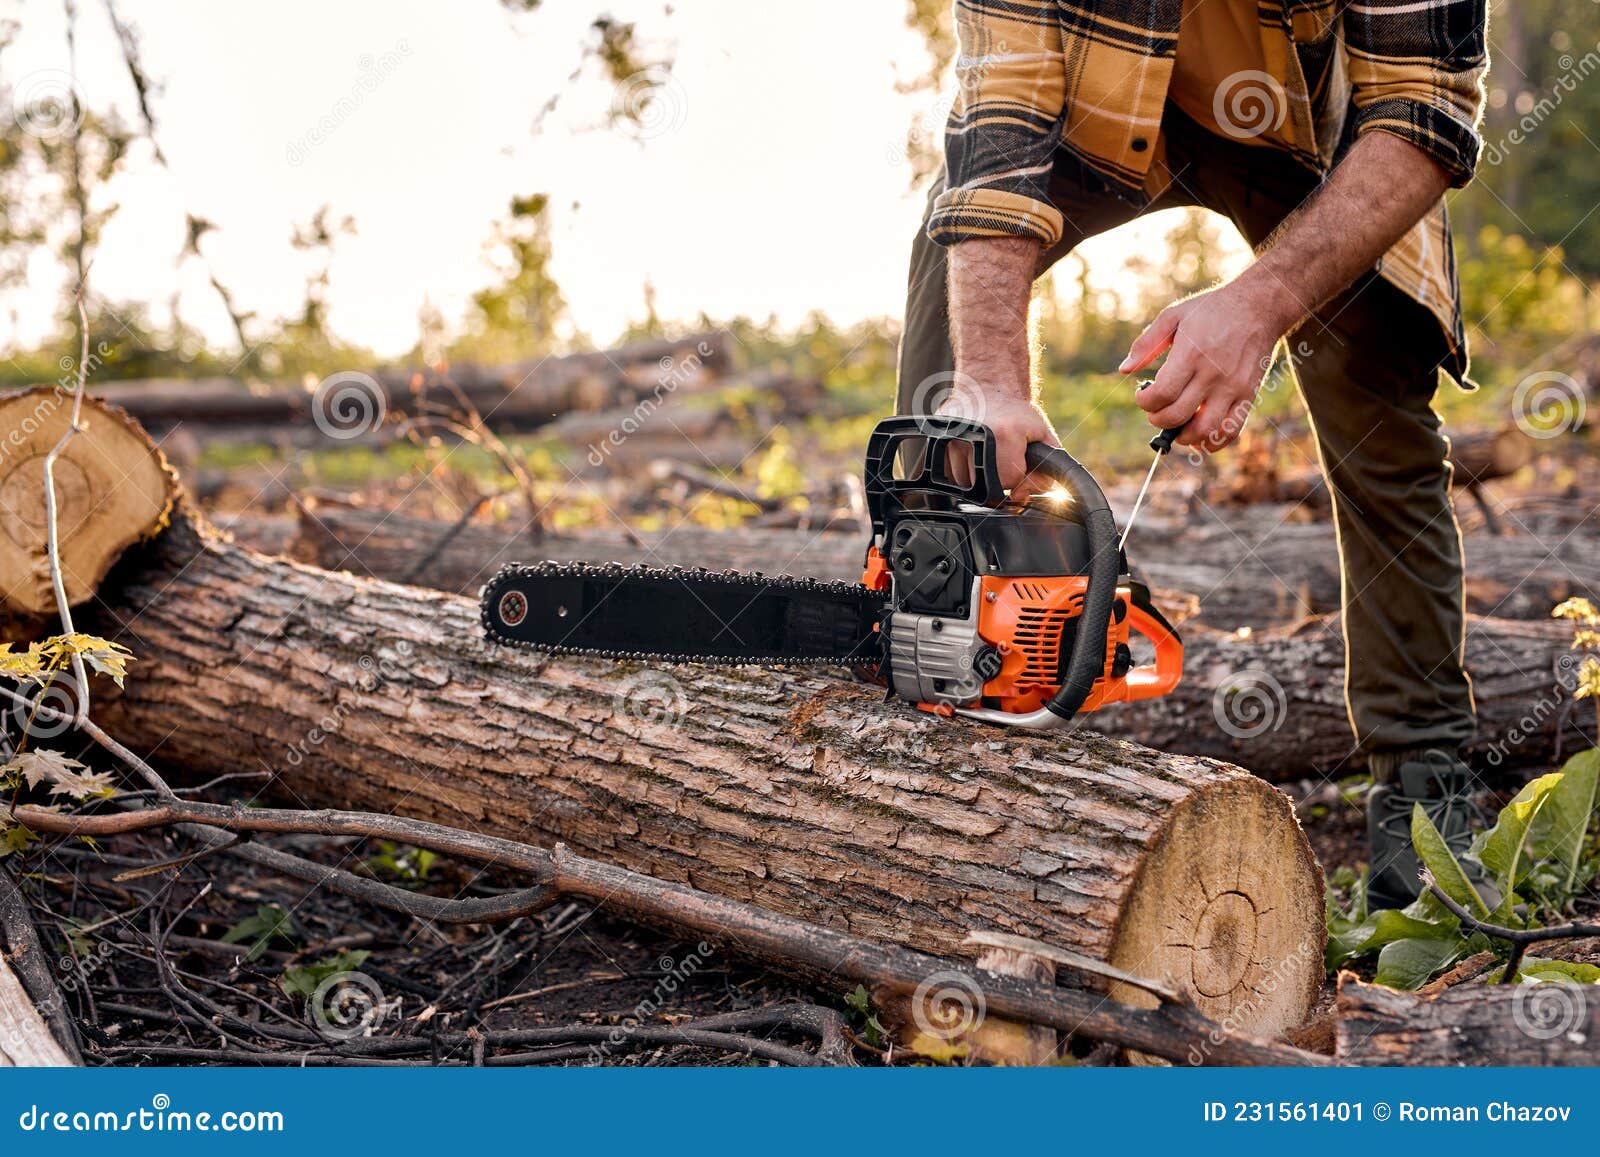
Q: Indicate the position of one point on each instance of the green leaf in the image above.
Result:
(1410, 962)
(269, 923)
(1559, 970)
(1500, 849)
(1437, 857)
(303, 981)
(1562, 826)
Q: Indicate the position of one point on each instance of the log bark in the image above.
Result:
(1469, 1024)
(1271, 701)
(113, 488)
(802, 794)
(520, 396)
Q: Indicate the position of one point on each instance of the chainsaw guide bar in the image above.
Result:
(680, 615)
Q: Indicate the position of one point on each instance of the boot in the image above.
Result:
(1444, 786)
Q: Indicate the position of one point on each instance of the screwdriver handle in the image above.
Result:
(1162, 442)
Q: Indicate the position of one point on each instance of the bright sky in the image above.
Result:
(774, 182)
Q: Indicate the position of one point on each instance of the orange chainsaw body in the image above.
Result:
(1027, 620)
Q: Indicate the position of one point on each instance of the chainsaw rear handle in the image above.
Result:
(1088, 660)
(930, 436)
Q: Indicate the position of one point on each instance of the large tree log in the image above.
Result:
(519, 396)
(1470, 1024)
(801, 794)
(1271, 701)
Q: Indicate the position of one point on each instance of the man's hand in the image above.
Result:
(1015, 422)
(1219, 346)
(1221, 341)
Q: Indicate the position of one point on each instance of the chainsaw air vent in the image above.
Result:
(1038, 639)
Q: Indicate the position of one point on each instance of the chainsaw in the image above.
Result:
(968, 606)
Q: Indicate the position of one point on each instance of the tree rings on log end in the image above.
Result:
(113, 489)
(1227, 907)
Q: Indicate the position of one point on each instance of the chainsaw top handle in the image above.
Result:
(927, 439)
(1088, 659)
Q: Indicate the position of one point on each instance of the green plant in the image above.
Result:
(860, 1003)
(303, 980)
(402, 863)
(269, 923)
(1535, 855)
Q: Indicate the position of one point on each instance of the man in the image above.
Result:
(1328, 131)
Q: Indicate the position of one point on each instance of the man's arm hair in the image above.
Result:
(990, 282)
(1382, 187)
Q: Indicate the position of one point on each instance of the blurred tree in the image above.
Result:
(1538, 175)
(524, 314)
(935, 21)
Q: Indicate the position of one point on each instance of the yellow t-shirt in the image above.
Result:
(1220, 78)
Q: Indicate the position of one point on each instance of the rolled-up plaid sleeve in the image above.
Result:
(1004, 125)
(1416, 71)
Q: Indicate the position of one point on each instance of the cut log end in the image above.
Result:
(1223, 909)
(113, 489)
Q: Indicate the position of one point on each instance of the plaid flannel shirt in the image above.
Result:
(1091, 76)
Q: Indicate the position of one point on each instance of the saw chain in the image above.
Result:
(681, 615)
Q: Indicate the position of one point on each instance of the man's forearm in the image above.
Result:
(991, 279)
(1381, 189)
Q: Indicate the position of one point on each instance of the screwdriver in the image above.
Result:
(1162, 445)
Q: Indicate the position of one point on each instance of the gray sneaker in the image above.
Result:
(1444, 786)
